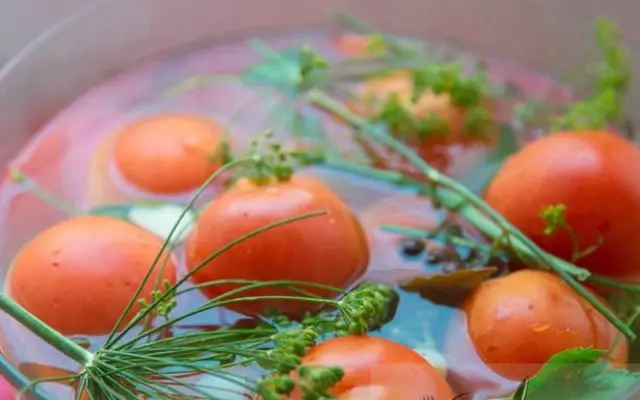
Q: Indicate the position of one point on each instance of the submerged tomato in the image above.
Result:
(169, 154)
(79, 275)
(378, 369)
(437, 148)
(595, 175)
(330, 249)
(352, 44)
(517, 322)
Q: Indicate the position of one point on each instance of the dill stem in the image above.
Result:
(397, 178)
(65, 345)
(171, 292)
(42, 194)
(164, 251)
(455, 196)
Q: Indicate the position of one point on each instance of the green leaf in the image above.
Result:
(580, 374)
(280, 69)
(480, 177)
(156, 217)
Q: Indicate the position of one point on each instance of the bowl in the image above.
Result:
(110, 36)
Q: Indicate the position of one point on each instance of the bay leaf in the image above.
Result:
(448, 288)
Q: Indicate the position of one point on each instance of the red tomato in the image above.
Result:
(79, 275)
(352, 44)
(437, 149)
(169, 154)
(595, 175)
(517, 322)
(378, 369)
(330, 249)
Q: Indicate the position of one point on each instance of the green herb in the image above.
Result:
(579, 374)
(310, 61)
(164, 304)
(457, 198)
(465, 91)
(432, 125)
(377, 44)
(606, 106)
(30, 185)
(396, 116)
(269, 161)
(133, 363)
(554, 218)
(478, 121)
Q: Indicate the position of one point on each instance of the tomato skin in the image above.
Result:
(330, 249)
(352, 44)
(80, 274)
(377, 392)
(168, 154)
(378, 367)
(595, 175)
(436, 149)
(517, 322)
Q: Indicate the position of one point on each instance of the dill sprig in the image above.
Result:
(455, 197)
(153, 367)
(396, 116)
(401, 112)
(605, 107)
(149, 364)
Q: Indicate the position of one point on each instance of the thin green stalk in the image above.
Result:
(206, 337)
(163, 248)
(287, 283)
(18, 380)
(187, 276)
(397, 178)
(454, 195)
(217, 303)
(66, 346)
(45, 196)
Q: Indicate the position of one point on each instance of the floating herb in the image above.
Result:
(605, 107)
(579, 374)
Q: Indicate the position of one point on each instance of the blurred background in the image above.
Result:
(22, 20)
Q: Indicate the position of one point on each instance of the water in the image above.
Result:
(70, 158)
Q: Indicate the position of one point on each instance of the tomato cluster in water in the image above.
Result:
(92, 265)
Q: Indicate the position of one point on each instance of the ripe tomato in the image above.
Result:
(352, 44)
(79, 275)
(330, 249)
(378, 369)
(595, 175)
(438, 149)
(517, 322)
(169, 154)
